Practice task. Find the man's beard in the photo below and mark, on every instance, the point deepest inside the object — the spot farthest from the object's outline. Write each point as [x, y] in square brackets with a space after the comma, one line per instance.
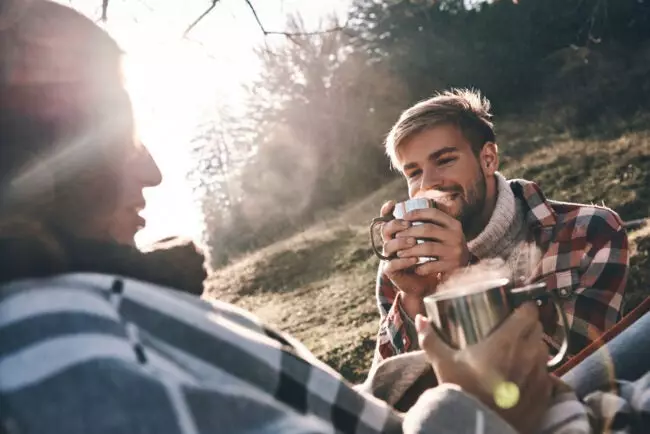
[472, 205]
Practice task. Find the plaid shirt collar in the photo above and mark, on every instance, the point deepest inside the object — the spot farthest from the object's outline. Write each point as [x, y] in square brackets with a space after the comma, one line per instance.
[539, 211]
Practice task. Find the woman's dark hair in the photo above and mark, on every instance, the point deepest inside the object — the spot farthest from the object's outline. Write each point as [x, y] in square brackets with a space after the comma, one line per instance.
[65, 121]
[64, 115]
[62, 107]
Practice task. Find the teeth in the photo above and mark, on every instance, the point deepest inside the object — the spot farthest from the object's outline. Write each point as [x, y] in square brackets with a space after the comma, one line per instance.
[439, 195]
[445, 197]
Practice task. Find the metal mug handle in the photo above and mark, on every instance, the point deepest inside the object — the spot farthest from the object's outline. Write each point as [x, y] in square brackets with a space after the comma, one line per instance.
[537, 291]
[375, 222]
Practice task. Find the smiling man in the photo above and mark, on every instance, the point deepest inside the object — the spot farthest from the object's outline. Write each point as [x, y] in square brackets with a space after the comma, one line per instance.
[446, 149]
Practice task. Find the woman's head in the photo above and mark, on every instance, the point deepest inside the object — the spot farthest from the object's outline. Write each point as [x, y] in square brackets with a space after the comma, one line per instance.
[68, 151]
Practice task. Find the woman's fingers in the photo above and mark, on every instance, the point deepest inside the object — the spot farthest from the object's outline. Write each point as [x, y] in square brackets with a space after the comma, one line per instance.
[520, 324]
[431, 342]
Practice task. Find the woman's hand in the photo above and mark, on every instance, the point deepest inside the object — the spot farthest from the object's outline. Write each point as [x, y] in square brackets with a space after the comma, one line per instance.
[506, 371]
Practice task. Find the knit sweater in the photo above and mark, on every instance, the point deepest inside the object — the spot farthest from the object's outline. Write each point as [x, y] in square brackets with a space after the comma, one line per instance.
[505, 235]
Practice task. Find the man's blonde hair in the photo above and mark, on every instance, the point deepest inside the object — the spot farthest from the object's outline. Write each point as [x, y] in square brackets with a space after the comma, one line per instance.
[467, 109]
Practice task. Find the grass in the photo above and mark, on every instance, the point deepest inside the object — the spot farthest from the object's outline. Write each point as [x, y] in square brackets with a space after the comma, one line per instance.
[318, 285]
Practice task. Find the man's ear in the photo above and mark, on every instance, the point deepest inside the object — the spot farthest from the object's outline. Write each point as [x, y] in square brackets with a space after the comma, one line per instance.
[489, 158]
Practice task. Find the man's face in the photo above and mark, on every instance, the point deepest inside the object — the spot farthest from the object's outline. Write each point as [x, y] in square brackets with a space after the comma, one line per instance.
[439, 164]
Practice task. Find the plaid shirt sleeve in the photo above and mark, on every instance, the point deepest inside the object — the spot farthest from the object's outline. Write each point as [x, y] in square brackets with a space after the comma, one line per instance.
[393, 337]
[595, 303]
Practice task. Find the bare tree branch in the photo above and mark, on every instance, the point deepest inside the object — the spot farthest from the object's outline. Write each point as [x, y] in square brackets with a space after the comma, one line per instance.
[289, 34]
[261, 26]
[104, 10]
[257, 18]
[316, 32]
[191, 26]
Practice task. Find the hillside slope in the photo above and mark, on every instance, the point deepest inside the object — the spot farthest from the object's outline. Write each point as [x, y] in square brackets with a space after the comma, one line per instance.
[319, 284]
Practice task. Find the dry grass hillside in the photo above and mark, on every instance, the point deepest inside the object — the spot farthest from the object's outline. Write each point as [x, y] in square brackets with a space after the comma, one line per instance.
[319, 284]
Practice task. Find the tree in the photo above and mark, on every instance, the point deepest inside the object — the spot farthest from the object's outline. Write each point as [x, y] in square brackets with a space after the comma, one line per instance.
[316, 116]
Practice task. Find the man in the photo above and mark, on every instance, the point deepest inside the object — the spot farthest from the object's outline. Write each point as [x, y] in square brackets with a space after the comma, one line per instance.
[446, 149]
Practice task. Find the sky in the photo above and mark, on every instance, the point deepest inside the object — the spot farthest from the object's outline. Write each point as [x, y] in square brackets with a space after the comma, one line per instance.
[177, 83]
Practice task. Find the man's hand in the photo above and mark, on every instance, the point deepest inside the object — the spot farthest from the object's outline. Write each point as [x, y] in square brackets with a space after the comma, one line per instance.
[446, 241]
[413, 287]
[514, 355]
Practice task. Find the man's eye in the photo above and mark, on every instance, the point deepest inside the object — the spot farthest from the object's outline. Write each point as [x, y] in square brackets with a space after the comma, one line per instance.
[447, 160]
[413, 174]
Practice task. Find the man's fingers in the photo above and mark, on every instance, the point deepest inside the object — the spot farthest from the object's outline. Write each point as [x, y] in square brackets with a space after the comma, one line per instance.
[387, 208]
[426, 231]
[397, 265]
[397, 245]
[433, 215]
[432, 344]
[426, 249]
[391, 228]
[434, 267]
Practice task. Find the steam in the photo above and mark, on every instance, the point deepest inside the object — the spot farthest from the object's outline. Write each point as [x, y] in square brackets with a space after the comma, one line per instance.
[519, 268]
[484, 271]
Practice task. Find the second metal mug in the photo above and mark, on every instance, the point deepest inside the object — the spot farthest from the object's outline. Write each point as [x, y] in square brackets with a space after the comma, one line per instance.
[466, 316]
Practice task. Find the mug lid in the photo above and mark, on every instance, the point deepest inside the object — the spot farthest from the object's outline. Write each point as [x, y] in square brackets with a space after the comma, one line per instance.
[472, 288]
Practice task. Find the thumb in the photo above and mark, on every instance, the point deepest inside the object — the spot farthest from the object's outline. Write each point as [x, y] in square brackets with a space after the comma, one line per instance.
[430, 341]
[387, 208]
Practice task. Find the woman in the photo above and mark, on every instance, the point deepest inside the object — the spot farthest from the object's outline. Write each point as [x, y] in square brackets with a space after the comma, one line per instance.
[72, 172]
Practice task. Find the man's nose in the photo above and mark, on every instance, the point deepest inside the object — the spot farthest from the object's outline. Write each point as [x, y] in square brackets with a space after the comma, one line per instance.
[147, 170]
[431, 179]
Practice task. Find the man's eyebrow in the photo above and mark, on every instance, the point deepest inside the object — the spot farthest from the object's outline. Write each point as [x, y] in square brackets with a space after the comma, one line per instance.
[434, 155]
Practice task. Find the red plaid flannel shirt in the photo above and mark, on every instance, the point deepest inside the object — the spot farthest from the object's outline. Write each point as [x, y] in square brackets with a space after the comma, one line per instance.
[585, 257]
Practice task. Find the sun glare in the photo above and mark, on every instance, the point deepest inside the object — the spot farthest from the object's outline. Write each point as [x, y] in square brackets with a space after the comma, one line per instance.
[168, 84]
[177, 83]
